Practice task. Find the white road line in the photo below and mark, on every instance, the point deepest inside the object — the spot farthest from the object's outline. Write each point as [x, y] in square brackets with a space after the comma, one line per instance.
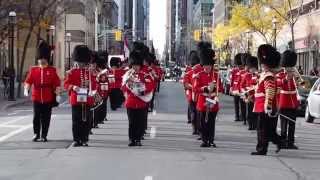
[153, 132]
[11, 126]
[13, 133]
[13, 121]
[24, 110]
[12, 114]
[148, 178]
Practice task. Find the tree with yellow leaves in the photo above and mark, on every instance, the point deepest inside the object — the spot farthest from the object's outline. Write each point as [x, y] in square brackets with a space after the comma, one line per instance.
[255, 18]
[288, 10]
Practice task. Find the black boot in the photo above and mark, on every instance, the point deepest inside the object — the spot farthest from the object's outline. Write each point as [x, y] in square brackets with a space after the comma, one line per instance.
[257, 153]
[76, 144]
[205, 144]
[132, 143]
[35, 138]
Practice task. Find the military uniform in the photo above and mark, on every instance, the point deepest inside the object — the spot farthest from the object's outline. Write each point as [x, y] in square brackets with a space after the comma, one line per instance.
[44, 82]
[79, 83]
[265, 101]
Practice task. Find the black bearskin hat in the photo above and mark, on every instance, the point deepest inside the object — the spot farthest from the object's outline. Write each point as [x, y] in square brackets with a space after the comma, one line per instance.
[115, 61]
[44, 51]
[244, 57]
[269, 56]
[237, 59]
[82, 54]
[194, 58]
[252, 62]
[204, 45]
[94, 57]
[137, 46]
[289, 59]
[206, 57]
[135, 58]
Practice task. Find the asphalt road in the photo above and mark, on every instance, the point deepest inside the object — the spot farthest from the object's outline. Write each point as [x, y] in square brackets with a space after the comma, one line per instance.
[170, 152]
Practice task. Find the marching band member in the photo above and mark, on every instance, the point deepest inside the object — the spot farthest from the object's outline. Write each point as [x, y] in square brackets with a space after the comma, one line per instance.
[81, 86]
[115, 79]
[235, 75]
[287, 82]
[265, 100]
[207, 85]
[242, 83]
[45, 85]
[187, 82]
[103, 88]
[137, 87]
[251, 80]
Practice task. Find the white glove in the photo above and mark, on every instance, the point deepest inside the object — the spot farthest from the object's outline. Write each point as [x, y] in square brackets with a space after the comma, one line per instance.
[58, 99]
[26, 92]
[75, 88]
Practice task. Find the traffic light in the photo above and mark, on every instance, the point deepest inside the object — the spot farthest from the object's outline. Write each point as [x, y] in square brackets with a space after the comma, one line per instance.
[196, 35]
[118, 35]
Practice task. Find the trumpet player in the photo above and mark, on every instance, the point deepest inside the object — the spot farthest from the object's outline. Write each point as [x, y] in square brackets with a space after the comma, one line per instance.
[138, 89]
[207, 86]
[287, 82]
[81, 86]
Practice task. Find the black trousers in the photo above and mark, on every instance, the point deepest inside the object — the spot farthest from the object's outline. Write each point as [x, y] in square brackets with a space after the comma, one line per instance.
[267, 131]
[41, 118]
[81, 122]
[193, 117]
[100, 113]
[252, 117]
[287, 126]
[236, 100]
[136, 119]
[158, 88]
[151, 103]
[116, 98]
[145, 119]
[208, 125]
[243, 111]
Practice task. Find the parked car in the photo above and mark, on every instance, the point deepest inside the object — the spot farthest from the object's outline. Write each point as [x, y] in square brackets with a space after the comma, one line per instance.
[313, 103]
[303, 93]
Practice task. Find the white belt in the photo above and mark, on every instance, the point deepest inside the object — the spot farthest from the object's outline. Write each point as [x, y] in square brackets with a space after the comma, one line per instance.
[288, 92]
[257, 95]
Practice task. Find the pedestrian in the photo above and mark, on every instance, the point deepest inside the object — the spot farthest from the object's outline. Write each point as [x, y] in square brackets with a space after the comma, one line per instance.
[187, 82]
[45, 84]
[288, 103]
[265, 100]
[314, 72]
[251, 82]
[115, 78]
[80, 84]
[234, 78]
[300, 70]
[137, 87]
[207, 85]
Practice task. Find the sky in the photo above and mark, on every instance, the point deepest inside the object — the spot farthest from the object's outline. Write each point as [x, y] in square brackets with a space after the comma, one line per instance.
[158, 23]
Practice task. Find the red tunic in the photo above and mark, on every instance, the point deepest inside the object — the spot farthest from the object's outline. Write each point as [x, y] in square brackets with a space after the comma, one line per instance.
[203, 80]
[116, 75]
[44, 82]
[195, 70]
[78, 77]
[233, 83]
[265, 95]
[187, 81]
[132, 100]
[287, 92]
[103, 84]
[242, 81]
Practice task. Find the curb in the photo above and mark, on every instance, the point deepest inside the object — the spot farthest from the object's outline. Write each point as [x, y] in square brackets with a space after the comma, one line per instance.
[12, 104]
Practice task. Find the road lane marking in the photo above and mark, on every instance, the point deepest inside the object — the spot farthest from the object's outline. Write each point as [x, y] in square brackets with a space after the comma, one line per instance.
[12, 114]
[153, 132]
[13, 121]
[148, 178]
[24, 110]
[154, 112]
[13, 133]
[10, 126]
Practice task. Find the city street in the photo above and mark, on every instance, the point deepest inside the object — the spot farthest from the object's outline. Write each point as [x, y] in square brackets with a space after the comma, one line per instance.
[169, 152]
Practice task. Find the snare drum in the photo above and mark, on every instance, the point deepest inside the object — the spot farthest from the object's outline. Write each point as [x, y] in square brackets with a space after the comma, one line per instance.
[82, 95]
[104, 86]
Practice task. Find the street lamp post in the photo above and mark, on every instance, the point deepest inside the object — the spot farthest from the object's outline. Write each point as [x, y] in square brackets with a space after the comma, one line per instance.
[12, 22]
[275, 22]
[68, 39]
[52, 29]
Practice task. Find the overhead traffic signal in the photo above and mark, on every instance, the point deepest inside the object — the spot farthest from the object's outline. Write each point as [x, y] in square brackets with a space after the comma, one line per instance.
[196, 35]
[118, 35]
